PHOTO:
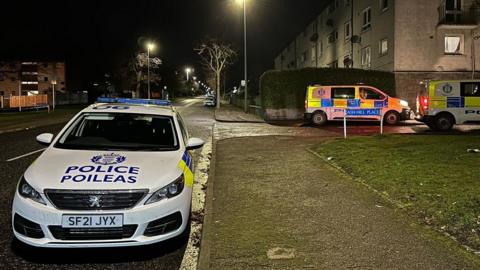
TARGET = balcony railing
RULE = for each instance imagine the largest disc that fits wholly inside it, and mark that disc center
(467, 14)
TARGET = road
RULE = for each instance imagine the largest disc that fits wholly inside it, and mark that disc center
(166, 255)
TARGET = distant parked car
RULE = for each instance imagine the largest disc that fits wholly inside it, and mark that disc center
(210, 102)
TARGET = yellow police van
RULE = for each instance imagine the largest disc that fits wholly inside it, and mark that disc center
(353, 102)
(442, 104)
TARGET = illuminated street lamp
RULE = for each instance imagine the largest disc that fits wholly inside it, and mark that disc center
(150, 47)
(188, 71)
(244, 4)
(54, 82)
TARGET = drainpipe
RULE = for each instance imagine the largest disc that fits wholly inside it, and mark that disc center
(474, 56)
(351, 34)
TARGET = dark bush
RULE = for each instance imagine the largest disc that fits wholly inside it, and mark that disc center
(287, 89)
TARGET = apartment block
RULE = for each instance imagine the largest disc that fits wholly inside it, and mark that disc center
(31, 78)
(417, 40)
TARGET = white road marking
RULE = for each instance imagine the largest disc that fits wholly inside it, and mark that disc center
(26, 155)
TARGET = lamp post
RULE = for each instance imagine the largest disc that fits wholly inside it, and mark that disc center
(188, 71)
(150, 47)
(54, 82)
(244, 4)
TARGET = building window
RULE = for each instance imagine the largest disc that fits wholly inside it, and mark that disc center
(383, 47)
(2, 93)
(320, 49)
(348, 30)
(313, 53)
(454, 44)
(347, 3)
(366, 57)
(333, 37)
(45, 65)
(367, 18)
(347, 61)
(303, 57)
(383, 5)
(45, 79)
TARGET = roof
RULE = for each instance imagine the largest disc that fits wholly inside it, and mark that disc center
(130, 108)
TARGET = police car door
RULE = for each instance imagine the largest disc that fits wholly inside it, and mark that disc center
(371, 99)
(471, 93)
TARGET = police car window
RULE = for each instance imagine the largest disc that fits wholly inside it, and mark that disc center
(367, 93)
(182, 128)
(471, 89)
(120, 131)
(343, 93)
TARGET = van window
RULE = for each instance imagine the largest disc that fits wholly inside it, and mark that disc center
(343, 93)
(471, 89)
(367, 93)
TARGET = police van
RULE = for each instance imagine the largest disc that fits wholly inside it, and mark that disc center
(442, 104)
(120, 173)
(354, 102)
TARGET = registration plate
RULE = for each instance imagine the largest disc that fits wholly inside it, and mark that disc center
(92, 221)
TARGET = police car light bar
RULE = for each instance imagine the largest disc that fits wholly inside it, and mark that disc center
(135, 101)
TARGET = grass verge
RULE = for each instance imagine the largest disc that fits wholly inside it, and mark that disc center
(432, 177)
(27, 119)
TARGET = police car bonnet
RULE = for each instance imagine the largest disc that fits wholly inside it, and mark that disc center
(93, 170)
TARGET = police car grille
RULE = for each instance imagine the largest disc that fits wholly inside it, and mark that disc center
(60, 233)
(95, 200)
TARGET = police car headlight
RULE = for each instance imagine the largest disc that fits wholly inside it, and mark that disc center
(404, 103)
(169, 191)
(29, 192)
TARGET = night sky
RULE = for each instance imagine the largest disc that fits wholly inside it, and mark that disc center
(95, 36)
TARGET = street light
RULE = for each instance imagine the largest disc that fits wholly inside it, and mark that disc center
(188, 71)
(150, 47)
(244, 4)
(54, 82)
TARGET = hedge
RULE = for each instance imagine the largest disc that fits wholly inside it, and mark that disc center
(287, 89)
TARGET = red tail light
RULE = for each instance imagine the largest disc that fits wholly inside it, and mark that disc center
(424, 104)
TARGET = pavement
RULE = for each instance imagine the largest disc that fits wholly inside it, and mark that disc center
(167, 255)
(230, 114)
(273, 205)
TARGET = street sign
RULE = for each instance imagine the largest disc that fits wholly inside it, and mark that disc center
(364, 112)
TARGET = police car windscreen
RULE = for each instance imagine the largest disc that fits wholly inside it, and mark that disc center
(118, 131)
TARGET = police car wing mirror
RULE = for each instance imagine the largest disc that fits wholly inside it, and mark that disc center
(45, 139)
(195, 143)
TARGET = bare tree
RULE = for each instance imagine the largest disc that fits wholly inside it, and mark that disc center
(139, 66)
(216, 56)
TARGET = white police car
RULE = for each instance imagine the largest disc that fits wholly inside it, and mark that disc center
(118, 174)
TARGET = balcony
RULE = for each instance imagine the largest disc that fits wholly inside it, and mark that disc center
(453, 14)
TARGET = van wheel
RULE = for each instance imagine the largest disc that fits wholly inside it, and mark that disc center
(392, 118)
(444, 122)
(319, 118)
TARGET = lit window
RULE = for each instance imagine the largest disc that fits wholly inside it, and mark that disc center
(453, 44)
(383, 47)
(366, 57)
(314, 53)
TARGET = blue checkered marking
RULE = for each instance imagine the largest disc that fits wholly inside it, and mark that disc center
(188, 160)
(353, 103)
(380, 103)
(455, 102)
(327, 103)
